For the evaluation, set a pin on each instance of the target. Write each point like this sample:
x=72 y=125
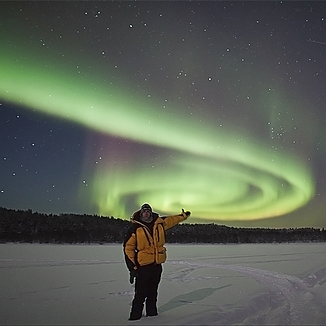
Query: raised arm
x=172 y=220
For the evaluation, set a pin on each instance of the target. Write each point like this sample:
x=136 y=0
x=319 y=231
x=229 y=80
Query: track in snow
x=288 y=301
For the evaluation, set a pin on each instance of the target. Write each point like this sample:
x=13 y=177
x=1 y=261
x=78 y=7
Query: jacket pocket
x=146 y=256
x=161 y=255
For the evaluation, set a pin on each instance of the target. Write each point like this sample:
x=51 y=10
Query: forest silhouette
x=32 y=227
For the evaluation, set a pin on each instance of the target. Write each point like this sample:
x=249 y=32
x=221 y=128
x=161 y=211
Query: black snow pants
x=146 y=288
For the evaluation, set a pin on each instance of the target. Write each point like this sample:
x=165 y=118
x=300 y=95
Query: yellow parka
x=145 y=246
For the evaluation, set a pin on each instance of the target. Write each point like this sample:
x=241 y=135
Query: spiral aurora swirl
x=217 y=174
x=233 y=182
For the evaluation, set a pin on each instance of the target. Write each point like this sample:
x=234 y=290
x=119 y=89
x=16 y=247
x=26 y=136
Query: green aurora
x=217 y=173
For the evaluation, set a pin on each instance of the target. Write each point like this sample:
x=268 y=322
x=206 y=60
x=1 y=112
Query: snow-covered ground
x=263 y=284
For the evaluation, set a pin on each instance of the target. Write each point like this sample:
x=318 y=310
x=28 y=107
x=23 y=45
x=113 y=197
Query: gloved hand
x=133 y=273
x=186 y=214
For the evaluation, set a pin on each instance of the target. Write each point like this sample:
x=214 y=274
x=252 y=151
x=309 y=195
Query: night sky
x=217 y=107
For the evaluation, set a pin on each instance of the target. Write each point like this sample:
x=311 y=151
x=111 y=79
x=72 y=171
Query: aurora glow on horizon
x=157 y=147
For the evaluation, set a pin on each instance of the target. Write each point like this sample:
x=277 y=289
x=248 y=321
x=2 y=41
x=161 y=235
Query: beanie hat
x=146 y=207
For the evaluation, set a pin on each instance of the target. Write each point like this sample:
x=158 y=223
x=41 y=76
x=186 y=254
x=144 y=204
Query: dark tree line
x=212 y=233
x=26 y=226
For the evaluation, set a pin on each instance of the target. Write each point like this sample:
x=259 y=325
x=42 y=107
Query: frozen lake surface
x=253 y=284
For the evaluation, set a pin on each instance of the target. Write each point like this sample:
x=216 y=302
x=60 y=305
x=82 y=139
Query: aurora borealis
x=218 y=110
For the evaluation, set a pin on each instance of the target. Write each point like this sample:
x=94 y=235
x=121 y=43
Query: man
x=144 y=253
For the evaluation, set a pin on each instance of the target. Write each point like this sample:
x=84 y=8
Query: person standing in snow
x=144 y=254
